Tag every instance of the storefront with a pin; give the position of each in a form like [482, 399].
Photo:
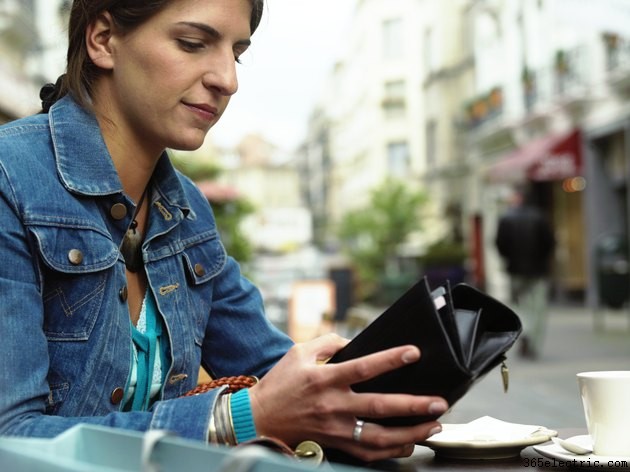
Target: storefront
[553, 166]
[607, 152]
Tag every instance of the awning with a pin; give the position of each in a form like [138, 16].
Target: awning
[554, 157]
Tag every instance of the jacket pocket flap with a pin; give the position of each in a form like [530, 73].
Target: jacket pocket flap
[75, 250]
[204, 261]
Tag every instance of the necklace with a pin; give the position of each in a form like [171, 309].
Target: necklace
[131, 246]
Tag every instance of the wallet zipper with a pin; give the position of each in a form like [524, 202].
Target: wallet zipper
[505, 374]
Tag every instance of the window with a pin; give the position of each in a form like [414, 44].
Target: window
[431, 51]
[398, 158]
[394, 102]
[392, 39]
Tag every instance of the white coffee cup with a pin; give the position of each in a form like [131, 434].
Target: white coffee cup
[606, 400]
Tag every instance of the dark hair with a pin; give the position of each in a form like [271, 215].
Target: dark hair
[127, 14]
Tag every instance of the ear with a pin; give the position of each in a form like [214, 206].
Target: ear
[98, 39]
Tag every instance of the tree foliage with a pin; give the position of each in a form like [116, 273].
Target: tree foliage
[371, 236]
[229, 216]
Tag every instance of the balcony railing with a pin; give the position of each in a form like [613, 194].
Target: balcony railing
[617, 53]
[484, 108]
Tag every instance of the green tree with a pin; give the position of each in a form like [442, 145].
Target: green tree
[229, 214]
[371, 236]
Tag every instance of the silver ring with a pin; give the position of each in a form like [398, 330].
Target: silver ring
[358, 429]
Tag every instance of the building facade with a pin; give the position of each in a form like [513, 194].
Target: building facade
[369, 122]
[467, 99]
[18, 43]
[562, 86]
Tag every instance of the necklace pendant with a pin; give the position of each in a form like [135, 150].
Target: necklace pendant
[131, 246]
[131, 249]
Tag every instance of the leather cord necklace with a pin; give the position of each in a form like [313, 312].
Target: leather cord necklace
[131, 246]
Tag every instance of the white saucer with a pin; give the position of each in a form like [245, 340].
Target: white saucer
[486, 449]
[586, 461]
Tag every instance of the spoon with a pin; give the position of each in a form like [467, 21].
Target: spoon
[571, 447]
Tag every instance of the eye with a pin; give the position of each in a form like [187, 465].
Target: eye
[238, 55]
[190, 46]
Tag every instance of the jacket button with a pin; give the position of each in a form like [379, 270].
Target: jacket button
[118, 211]
[75, 256]
[117, 395]
[199, 270]
[123, 293]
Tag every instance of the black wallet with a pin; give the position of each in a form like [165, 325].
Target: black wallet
[462, 334]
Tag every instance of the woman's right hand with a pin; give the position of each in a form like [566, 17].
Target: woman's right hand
[303, 398]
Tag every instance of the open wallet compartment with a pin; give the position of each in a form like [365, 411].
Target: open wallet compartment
[462, 334]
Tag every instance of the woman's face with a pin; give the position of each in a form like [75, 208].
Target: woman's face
[172, 77]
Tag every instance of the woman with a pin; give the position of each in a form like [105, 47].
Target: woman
[115, 285]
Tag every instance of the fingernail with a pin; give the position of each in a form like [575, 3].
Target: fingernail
[437, 408]
[410, 356]
[437, 429]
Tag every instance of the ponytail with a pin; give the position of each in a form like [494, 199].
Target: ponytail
[50, 93]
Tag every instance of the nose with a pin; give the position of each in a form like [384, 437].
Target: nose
[221, 75]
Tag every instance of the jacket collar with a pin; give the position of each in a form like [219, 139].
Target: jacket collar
[84, 163]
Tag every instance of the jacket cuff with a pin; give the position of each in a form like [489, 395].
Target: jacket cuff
[188, 417]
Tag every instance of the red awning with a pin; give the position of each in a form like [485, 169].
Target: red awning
[554, 157]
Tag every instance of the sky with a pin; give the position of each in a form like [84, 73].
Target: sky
[282, 75]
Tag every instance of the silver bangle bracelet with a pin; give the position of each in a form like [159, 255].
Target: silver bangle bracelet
[212, 431]
[222, 419]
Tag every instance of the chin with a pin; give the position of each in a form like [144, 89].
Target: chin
[188, 143]
[186, 147]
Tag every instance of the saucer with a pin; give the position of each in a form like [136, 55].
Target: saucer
[449, 444]
[585, 461]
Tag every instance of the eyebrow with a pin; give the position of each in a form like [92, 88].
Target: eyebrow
[212, 32]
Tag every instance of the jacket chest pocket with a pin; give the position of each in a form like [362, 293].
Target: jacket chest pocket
[75, 265]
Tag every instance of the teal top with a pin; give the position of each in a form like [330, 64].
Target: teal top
[149, 365]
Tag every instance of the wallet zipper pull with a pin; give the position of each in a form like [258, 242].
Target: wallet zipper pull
[505, 374]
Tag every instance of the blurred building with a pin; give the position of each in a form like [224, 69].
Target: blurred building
[48, 59]
[264, 175]
[467, 99]
[18, 42]
[550, 78]
[369, 123]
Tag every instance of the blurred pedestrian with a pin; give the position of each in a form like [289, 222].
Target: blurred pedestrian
[114, 285]
[526, 242]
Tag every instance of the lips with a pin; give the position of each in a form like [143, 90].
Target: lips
[203, 111]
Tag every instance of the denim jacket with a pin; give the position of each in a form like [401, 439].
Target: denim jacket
[66, 349]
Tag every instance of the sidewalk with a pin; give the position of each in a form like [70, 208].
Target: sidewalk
[545, 391]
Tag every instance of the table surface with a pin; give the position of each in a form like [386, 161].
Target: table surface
[424, 459]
